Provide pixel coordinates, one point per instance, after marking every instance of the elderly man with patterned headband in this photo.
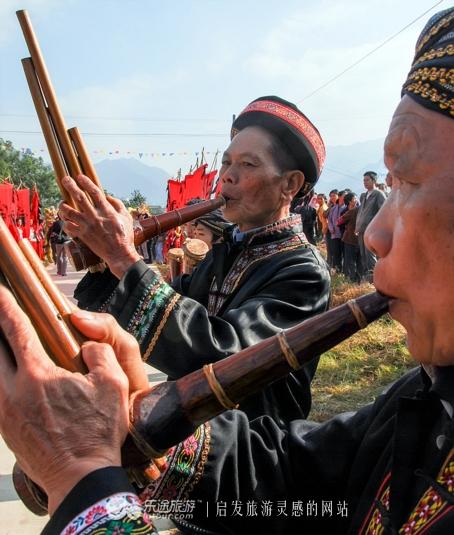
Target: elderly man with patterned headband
(388, 468)
(263, 277)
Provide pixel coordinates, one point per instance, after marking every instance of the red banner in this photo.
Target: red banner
(194, 184)
(6, 199)
(23, 212)
(208, 184)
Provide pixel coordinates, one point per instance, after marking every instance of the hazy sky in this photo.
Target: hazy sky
(182, 68)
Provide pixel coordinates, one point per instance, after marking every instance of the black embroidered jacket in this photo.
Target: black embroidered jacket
(240, 295)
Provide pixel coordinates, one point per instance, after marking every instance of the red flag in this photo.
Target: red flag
(11, 226)
(6, 199)
(23, 211)
(35, 207)
(208, 184)
(194, 184)
(174, 189)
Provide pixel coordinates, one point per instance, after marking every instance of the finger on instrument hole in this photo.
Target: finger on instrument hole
(152, 471)
(20, 334)
(100, 358)
(78, 195)
(91, 189)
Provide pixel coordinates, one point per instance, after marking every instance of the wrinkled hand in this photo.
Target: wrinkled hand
(104, 328)
(60, 425)
(105, 226)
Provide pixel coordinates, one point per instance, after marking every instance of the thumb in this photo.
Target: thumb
(102, 363)
(104, 328)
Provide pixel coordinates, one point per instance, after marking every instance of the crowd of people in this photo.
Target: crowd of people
(387, 468)
(339, 223)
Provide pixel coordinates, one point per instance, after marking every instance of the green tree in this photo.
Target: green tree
(24, 169)
(135, 200)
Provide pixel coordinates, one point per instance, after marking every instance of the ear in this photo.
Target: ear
(292, 182)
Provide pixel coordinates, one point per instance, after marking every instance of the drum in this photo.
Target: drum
(175, 261)
(194, 252)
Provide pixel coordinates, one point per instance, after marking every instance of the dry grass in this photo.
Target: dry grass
(357, 370)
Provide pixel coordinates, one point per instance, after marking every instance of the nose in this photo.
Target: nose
(229, 174)
(378, 237)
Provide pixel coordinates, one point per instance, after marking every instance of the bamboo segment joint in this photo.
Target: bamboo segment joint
(357, 313)
(287, 351)
(217, 389)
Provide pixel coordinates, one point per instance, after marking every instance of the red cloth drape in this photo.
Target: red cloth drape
(35, 207)
(208, 180)
(23, 210)
(174, 194)
(194, 184)
(6, 199)
(35, 221)
(8, 207)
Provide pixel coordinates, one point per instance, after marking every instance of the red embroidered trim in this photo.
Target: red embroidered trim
(429, 510)
(296, 120)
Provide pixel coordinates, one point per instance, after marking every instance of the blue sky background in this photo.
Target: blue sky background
(182, 68)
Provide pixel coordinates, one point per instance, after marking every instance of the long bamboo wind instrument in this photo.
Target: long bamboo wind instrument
(155, 225)
(66, 149)
(69, 154)
(51, 320)
(169, 412)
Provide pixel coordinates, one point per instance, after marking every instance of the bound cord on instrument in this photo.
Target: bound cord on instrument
(357, 313)
(217, 389)
(287, 351)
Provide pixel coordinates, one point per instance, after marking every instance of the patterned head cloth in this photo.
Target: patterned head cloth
(292, 128)
(215, 222)
(431, 79)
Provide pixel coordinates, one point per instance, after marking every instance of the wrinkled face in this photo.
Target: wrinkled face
(251, 181)
(203, 233)
(413, 233)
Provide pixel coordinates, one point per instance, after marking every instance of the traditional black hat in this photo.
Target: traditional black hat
(293, 129)
(431, 79)
(214, 221)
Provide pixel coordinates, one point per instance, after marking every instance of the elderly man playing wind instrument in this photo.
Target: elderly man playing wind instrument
(388, 468)
(262, 278)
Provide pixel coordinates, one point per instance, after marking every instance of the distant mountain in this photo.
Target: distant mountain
(346, 164)
(344, 168)
(123, 175)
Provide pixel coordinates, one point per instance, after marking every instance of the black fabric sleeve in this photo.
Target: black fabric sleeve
(91, 489)
(177, 334)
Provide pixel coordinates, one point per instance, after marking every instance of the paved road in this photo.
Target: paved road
(15, 519)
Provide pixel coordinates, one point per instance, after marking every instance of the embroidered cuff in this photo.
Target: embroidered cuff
(100, 485)
(142, 303)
